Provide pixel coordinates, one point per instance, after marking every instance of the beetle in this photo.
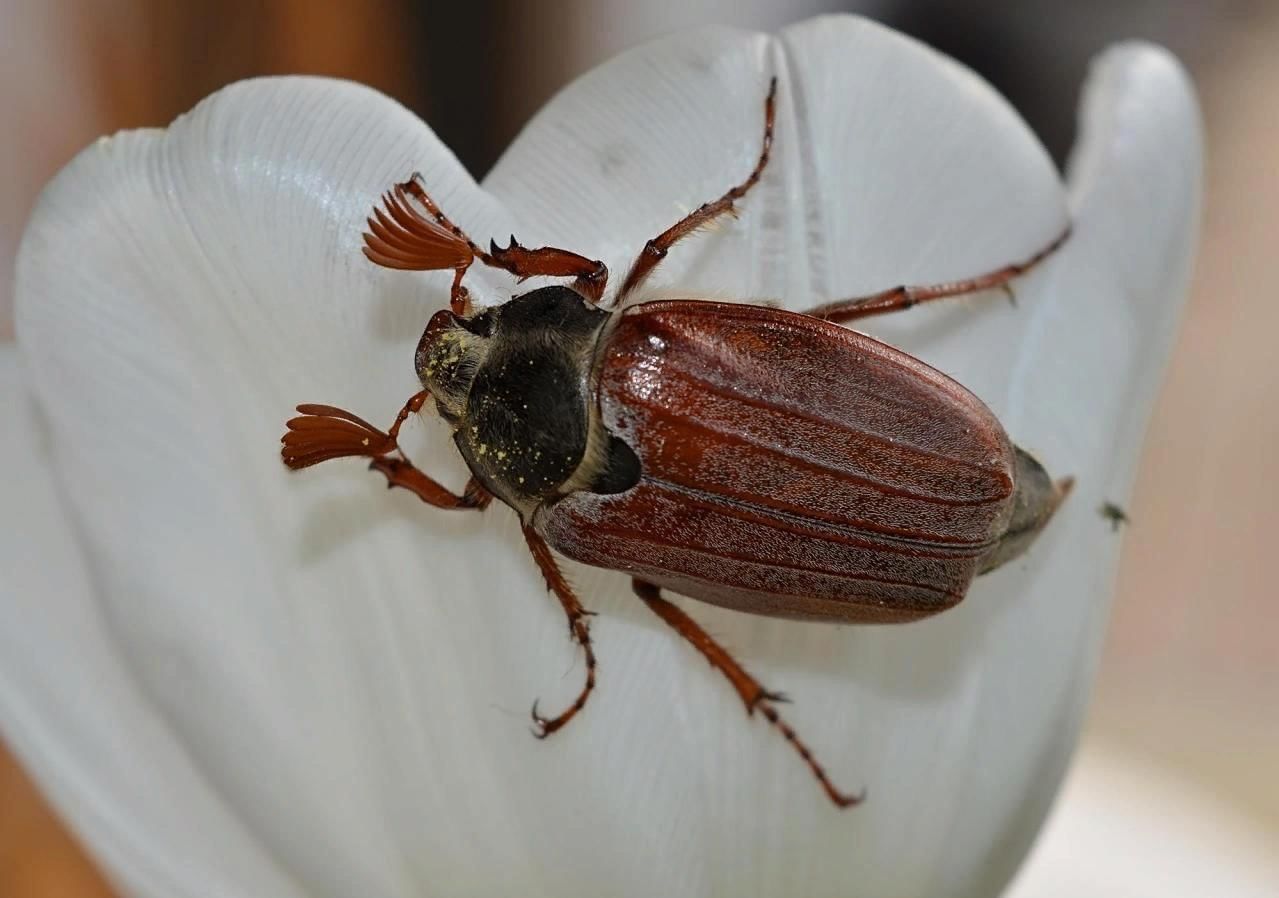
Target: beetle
(763, 460)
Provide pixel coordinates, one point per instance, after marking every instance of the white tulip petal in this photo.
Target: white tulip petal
(628, 149)
(1126, 828)
(1082, 384)
(352, 671)
(73, 713)
(178, 294)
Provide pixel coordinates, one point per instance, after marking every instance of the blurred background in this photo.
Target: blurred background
(1179, 769)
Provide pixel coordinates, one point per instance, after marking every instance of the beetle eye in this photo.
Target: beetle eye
(481, 325)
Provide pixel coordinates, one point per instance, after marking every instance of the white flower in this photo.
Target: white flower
(234, 680)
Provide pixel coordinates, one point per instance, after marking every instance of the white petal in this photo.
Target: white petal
(178, 294)
(1081, 387)
(70, 707)
(876, 175)
(1124, 828)
(352, 671)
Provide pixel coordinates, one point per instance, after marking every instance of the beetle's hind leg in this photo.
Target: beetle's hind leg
(656, 249)
(578, 626)
(324, 432)
(753, 695)
(903, 297)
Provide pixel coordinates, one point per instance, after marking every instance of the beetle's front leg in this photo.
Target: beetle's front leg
(324, 432)
(753, 694)
(578, 626)
(403, 473)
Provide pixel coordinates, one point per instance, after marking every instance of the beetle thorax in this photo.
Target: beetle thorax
(514, 381)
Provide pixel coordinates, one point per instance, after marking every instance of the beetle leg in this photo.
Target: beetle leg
(899, 298)
(656, 249)
(403, 237)
(402, 473)
(578, 627)
(590, 275)
(752, 693)
(324, 432)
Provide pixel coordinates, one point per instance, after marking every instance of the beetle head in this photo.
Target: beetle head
(448, 355)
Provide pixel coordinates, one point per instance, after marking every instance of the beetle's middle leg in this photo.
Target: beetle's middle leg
(656, 249)
(754, 695)
(578, 626)
(903, 297)
(324, 432)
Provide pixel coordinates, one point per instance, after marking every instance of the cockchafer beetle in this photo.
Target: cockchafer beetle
(763, 460)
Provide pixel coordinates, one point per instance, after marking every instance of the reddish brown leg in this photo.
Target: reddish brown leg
(403, 237)
(401, 472)
(903, 297)
(578, 628)
(324, 432)
(752, 693)
(590, 275)
(656, 249)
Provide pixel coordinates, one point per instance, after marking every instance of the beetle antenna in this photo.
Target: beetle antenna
(325, 432)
